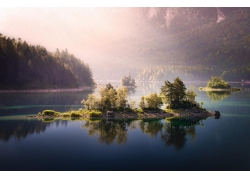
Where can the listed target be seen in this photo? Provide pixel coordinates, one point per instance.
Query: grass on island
(234, 89)
(216, 83)
(74, 113)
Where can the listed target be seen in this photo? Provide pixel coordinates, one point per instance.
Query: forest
(25, 66)
(197, 44)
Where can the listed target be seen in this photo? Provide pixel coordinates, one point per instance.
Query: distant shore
(219, 89)
(48, 90)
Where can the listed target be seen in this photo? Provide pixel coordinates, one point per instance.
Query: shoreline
(219, 90)
(123, 115)
(48, 90)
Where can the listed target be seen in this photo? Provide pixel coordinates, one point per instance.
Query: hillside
(26, 66)
(193, 43)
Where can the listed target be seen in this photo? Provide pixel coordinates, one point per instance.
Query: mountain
(26, 66)
(193, 43)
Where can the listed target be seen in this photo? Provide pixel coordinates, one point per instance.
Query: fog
(83, 31)
(108, 39)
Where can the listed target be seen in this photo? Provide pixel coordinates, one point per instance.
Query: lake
(208, 144)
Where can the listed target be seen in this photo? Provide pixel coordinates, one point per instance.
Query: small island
(112, 103)
(128, 81)
(216, 83)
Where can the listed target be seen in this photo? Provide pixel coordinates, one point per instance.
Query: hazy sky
(85, 32)
(78, 29)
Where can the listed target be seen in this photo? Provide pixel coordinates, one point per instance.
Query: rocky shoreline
(147, 114)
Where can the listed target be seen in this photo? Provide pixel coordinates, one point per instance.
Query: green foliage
(92, 102)
(108, 98)
(142, 103)
(179, 89)
(183, 105)
(65, 114)
(173, 92)
(121, 97)
(127, 81)
(167, 91)
(95, 113)
(75, 114)
(177, 96)
(49, 113)
(216, 82)
(191, 94)
(140, 110)
(132, 104)
(152, 101)
(26, 66)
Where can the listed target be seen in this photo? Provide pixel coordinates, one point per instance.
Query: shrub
(75, 114)
(217, 82)
(66, 114)
(95, 113)
(140, 110)
(49, 113)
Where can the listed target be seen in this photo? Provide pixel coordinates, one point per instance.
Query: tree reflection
(175, 131)
(22, 128)
(131, 90)
(151, 127)
(108, 132)
(174, 135)
(218, 95)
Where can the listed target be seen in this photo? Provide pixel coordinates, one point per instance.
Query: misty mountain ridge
(214, 38)
(149, 43)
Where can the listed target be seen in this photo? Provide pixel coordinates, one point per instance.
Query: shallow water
(210, 144)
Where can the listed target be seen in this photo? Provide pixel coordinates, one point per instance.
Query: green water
(203, 144)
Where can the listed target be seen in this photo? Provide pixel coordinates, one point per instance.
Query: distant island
(128, 81)
(113, 104)
(216, 83)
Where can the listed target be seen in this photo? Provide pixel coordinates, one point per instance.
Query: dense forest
(25, 66)
(196, 43)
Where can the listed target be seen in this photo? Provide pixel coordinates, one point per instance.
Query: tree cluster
(109, 98)
(127, 81)
(217, 82)
(26, 66)
(177, 95)
(152, 101)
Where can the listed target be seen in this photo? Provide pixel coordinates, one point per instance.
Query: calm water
(210, 144)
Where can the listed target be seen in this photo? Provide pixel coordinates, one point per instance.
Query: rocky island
(113, 104)
(216, 83)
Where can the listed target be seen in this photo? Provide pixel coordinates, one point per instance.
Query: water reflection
(175, 132)
(20, 129)
(152, 128)
(172, 132)
(32, 103)
(108, 132)
(218, 95)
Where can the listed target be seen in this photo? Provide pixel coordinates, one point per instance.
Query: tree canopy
(177, 95)
(108, 98)
(128, 81)
(217, 82)
(26, 66)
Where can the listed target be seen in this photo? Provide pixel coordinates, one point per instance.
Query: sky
(84, 29)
